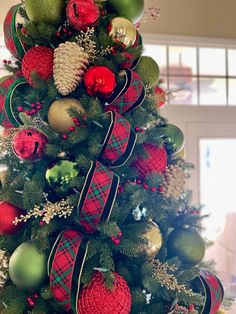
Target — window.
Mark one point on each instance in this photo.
(196, 75)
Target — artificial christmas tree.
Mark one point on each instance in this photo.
(101, 220)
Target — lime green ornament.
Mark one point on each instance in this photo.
(173, 138)
(187, 245)
(149, 70)
(131, 9)
(59, 176)
(27, 266)
(45, 11)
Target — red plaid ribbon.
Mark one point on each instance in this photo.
(8, 85)
(12, 41)
(97, 198)
(130, 97)
(65, 263)
(214, 292)
(119, 142)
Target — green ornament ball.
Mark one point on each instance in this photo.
(45, 11)
(60, 175)
(27, 266)
(149, 70)
(130, 9)
(187, 245)
(173, 138)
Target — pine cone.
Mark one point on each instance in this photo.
(4, 267)
(174, 182)
(70, 63)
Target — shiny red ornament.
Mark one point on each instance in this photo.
(29, 144)
(96, 298)
(38, 60)
(100, 81)
(82, 14)
(8, 213)
(154, 162)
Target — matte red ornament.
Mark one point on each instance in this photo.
(82, 14)
(156, 160)
(38, 60)
(100, 81)
(29, 144)
(8, 213)
(97, 299)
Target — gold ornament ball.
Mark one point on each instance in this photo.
(181, 154)
(58, 116)
(3, 176)
(123, 31)
(221, 311)
(155, 240)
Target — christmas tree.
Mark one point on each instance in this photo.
(94, 213)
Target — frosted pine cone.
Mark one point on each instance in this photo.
(174, 182)
(70, 63)
(4, 267)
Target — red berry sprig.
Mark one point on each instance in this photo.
(31, 300)
(117, 239)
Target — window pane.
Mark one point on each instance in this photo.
(212, 91)
(183, 90)
(232, 62)
(232, 92)
(158, 53)
(212, 61)
(182, 60)
(216, 167)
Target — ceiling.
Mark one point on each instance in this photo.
(203, 18)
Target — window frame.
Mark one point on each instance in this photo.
(196, 42)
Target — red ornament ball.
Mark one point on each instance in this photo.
(100, 81)
(97, 299)
(156, 160)
(8, 213)
(39, 60)
(29, 144)
(82, 14)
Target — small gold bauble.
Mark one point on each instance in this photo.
(123, 31)
(155, 240)
(58, 116)
(221, 311)
(181, 154)
(3, 176)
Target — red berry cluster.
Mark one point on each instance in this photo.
(6, 61)
(34, 108)
(78, 124)
(64, 30)
(146, 186)
(139, 130)
(116, 239)
(31, 299)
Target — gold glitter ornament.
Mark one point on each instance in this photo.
(122, 31)
(174, 181)
(58, 116)
(70, 63)
(4, 268)
(155, 240)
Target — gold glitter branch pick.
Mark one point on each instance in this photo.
(6, 140)
(49, 211)
(168, 280)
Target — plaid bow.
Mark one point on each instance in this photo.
(119, 143)
(12, 41)
(130, 97)
(214, 292)
(97, 197)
